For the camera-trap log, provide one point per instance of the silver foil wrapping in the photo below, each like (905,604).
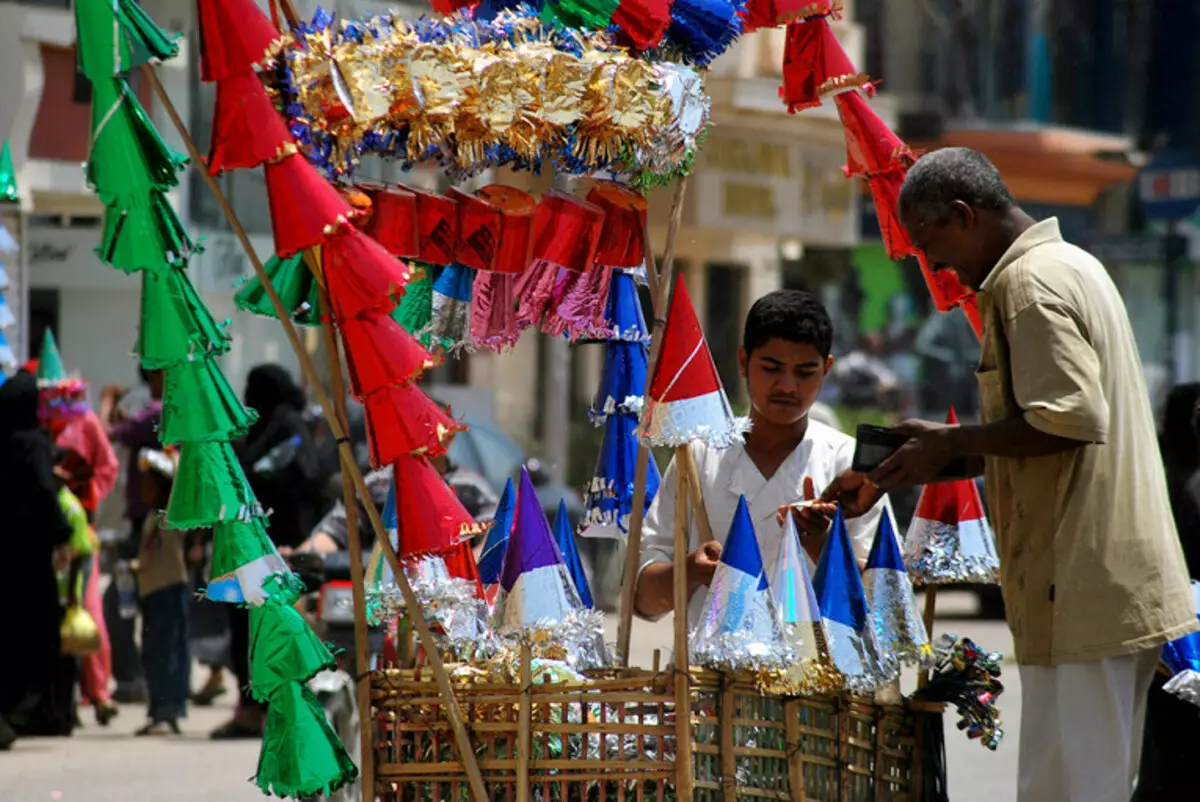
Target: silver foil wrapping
(937,553)
(739,628)
(1185,685)
(898,626)
(544,610)
(859,659)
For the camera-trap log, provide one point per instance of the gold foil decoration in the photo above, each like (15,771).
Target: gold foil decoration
(438,83)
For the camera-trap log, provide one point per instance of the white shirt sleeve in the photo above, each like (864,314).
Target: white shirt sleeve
(659,525)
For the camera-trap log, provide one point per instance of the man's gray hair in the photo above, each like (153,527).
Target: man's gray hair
(943,176)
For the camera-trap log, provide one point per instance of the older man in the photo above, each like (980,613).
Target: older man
(1093,576)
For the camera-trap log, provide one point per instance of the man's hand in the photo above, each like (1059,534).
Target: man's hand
(917,462)
(854,492)
(701,565)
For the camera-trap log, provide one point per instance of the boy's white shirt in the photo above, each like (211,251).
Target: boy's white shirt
(727,474)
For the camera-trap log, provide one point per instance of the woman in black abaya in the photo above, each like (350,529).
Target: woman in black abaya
(34,532)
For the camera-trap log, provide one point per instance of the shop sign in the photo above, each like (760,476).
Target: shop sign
(777,187)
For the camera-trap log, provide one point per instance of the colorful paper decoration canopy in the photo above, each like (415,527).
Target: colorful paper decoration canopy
(686,400)
(949,540)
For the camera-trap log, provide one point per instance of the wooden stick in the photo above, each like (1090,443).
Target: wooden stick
(453,713)
(637,514)
(728,755)
(683,691)
(930,609)
(525,725)
(703,524)
(362,652)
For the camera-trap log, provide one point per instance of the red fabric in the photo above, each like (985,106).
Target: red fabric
(685,366)
(84,434)
(566,231)
(773,13)
(429,516)
(303,205)
(364,280)
(945,288)
(885,192)
(494,320)
(393,222)
(448,7)
(95,670)
(950,502)
(402,422)
(815,65)
(871,147)
(247,130)
(234,35)
(380,353)
(643,22)
(623,236)
(437,228)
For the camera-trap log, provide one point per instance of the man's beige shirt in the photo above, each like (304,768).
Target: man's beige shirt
(1090,563)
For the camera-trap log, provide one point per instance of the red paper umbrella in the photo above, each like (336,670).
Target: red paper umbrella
(304,207)
(404,422)
(460,563)
(566,231)
(393,222)
(380,353)
(871,147)
(437,228)
(945,288)
(247,130)
(429,517)
(815,65)
(623,237)
(643,22)
(234,36)
(885,191)
(364,280)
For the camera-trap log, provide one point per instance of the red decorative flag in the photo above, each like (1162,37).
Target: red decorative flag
(304,207)
(945,288)
(686,400)
(970,308)
(643,22)
(815,65)
(247,130)
(885,192)
(393,222)
(380,353)
(623,237)
(234,36)
(566,231)
(404,422)
(773,13)
(871,147)
(429,517)
(364,280)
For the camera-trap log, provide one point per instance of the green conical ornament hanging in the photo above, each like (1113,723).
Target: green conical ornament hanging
(301,755)
(116,36)
(247,568)
(209,488)
(199,405)
(127,158)
(8,176)
(145,235)
(175,323)
(50,364)
(283,650)
(294,283)
(415,310)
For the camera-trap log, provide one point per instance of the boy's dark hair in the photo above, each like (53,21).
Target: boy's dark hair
(792,315)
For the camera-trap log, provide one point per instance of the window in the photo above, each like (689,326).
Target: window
(723,322)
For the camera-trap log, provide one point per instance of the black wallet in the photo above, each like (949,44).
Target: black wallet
(877,443)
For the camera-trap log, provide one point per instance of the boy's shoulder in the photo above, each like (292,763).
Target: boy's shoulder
(824,434)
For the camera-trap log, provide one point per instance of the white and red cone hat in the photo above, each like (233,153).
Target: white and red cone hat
(949,539)
(686,400)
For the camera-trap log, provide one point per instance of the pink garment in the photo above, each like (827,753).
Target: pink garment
(85,434)
(95,670)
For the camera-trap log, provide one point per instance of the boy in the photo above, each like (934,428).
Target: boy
(784,359)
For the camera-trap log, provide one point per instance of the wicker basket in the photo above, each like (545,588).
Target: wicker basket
(612,739)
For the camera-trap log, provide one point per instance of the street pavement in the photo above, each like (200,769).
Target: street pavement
(111,765)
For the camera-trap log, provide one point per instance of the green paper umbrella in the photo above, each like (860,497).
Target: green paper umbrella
(199,405)
(209,488)
(8,176)
(415,310)
(294,283)
(284,650)
(301,755)
(50,364)
(247,568)
(116,36)
(175,323)
(145,235)
(127,157)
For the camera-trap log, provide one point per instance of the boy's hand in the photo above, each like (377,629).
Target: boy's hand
(813,516)
(854,492)
(701,565)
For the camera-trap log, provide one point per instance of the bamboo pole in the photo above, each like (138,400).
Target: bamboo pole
(362,653)
(683,691)
(525,725)
(930,611)
(453,713)
(637,514)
